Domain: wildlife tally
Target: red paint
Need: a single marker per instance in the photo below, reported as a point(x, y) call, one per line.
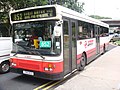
point(85, 44)
point(57, 67)
point(78, 61)
point(80, 42)
point(90, 41)
point(37, 65)
point(78, 58)
point(91, 52)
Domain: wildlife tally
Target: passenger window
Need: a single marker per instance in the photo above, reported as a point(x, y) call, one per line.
point(104, 32)
point(86, 30)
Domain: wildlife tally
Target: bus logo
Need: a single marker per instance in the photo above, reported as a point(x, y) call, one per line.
point(85, 44)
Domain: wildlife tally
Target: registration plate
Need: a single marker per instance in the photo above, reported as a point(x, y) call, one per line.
point(28, 73)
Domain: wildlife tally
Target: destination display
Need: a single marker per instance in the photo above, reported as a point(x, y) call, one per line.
point(34, 14)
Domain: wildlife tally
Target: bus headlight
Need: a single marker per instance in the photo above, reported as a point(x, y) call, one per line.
point(13, 64)
point(50, 67)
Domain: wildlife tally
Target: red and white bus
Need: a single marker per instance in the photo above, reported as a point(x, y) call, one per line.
point(52, 41)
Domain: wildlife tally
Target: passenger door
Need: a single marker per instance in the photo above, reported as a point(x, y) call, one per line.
point(73, 44)
point(97, 36)
point(69, 45)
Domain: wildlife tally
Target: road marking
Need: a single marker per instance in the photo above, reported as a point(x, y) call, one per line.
point(64, 79)
point(43, 85)
point(50, 84)
point(48, 87)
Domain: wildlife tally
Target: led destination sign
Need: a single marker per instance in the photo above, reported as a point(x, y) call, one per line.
point(34, 14)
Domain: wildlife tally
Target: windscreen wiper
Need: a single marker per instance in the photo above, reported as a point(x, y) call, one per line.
point(28, 50)
point(23, 48)
point(15, 54)
point(36, 52)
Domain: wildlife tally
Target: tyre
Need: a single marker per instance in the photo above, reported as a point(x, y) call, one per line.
point(82, 62)
point(104, 49)
point(4, 67)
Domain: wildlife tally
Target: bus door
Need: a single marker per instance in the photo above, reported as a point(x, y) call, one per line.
point(69, 45)
point(97, 35)
point(73, 44)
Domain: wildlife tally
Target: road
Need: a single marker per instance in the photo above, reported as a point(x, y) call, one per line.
point(12, 81)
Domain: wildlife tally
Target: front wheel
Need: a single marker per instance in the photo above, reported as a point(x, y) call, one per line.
point(82, 62)
point(4, 67)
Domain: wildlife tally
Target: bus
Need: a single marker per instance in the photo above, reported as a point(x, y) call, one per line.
point(5, 48)
point(52, 41)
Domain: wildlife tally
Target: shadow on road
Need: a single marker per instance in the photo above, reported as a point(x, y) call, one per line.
point(30, 80)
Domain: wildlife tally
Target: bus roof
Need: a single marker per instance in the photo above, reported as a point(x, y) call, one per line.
point(63, 11)
point(76, 15)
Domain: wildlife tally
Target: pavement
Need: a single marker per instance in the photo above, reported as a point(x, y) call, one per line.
point(101, 74)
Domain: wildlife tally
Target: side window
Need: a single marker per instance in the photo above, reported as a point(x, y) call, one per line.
point(104, 32)
point(80, 30)
point(65, 31)
point(0, 34)
point(86, 30)
point(101, 32)
point(90, 30)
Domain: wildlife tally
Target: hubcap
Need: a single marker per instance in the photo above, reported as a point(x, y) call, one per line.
point(83, 61)
point(5, 67)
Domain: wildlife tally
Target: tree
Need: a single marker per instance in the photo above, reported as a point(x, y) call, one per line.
point(72, 4)
point(19, 4)
point(99, 17)
point(7, 5)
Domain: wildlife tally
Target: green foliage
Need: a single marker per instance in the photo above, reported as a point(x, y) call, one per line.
point(19, 4)
point(3, 17)
point(72, 4)
point(118, 42)
point(7, 5)
point(99, 17)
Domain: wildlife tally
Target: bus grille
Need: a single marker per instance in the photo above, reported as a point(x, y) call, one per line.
point(29, 66)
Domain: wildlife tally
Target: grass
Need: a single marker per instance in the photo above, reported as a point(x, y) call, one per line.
point(117, 42)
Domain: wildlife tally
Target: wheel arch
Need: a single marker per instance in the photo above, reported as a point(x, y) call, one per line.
point(5, 61)
point(6, 65)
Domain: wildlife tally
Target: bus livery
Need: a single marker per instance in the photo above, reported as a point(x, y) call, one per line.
point(52, 41)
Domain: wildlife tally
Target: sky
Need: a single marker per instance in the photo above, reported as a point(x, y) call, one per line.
point(105, 8)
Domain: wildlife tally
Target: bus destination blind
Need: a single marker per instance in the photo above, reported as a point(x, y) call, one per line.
point(34, 14)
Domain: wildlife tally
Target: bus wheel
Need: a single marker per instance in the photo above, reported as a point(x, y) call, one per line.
point(4, 67)
point(104, 49)
point(82, 62)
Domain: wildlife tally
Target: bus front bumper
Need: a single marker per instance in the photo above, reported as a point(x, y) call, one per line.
point(37, 74)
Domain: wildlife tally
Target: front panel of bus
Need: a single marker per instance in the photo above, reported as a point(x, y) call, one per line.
point(37, 49)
